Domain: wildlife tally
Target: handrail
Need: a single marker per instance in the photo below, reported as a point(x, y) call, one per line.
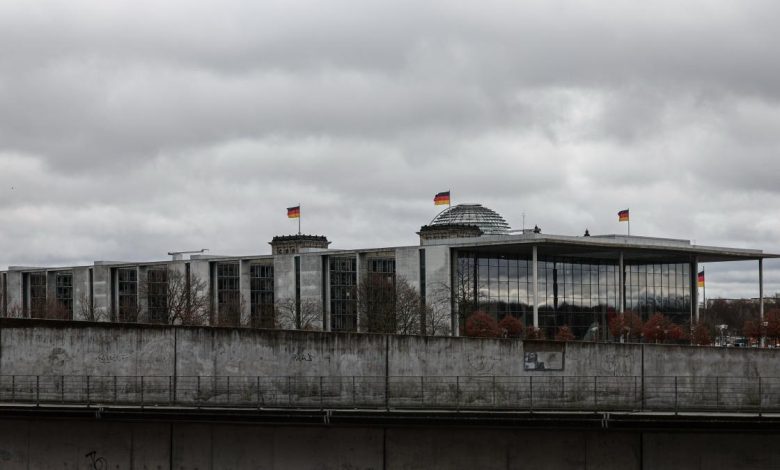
point(531, 392)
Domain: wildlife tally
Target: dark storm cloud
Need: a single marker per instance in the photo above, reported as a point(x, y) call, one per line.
point(128, 129)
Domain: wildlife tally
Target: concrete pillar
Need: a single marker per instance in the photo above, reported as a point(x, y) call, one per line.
point(761, 289)
point(535, 257)
point(621, 285)
point(695, 297)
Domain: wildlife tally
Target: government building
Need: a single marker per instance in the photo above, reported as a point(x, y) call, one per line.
point(468, 259)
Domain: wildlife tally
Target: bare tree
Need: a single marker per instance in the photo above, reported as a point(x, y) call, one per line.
point(88, 311)
point(307, 317)
point(230, 311)
point(56, 310)
point(393, 306)
point(377, 303)
point(410, 309)
point(438, 317)
point(172, 298)
point(15, 311)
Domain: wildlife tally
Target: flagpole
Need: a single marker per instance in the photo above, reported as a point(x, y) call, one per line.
point(629, 221)
point(449, 200)
point(299, 218)
point(704, 288)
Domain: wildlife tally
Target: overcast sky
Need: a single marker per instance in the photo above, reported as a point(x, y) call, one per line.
point(132, 128)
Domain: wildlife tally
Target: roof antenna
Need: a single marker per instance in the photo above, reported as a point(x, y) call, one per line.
point(178, 255)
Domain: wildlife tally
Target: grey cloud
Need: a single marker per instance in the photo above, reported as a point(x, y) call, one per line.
point(131, 128)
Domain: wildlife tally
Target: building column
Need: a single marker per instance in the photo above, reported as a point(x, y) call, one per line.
point(761, 289)
point(621, 285)
point(696, 288)
point(535, 257)
point(325, 293)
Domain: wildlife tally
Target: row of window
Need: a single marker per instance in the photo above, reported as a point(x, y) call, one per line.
point(569, 292)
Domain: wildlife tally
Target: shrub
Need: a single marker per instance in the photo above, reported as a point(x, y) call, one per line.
point(564, 334)
point(675, 332)
point(481, 325)
point(627, 324)
point(656, 328)
point(511, 326)
point(752, 329)
point(772, 320)
point(534, 333)
point(701, 334)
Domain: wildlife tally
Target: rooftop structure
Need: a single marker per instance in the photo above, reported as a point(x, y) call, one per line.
point(489, 221)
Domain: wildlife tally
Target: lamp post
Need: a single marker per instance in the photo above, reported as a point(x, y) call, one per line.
point(723, 329)
point(764, 325)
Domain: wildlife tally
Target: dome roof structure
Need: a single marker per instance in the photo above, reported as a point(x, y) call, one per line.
point(489, 221)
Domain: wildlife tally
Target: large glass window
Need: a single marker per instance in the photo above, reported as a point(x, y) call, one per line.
point(157, 295)
point(580, 294)
point(661, 288)
point(37, 295)
point(127, 294)
point(262, 295)
point(64, 293)
point(379, 292)
point(228, 294)
point(343, 293)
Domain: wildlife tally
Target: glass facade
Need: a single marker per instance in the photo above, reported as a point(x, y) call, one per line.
point(127, 294)
point(157, 295)
point(379, 292)
point(228, 294)
point(37, 295)
point(262, 295)
point(64, 292)
point(581, 294)
point(343, 293)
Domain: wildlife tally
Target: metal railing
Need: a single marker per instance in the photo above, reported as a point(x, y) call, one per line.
point(572, 393)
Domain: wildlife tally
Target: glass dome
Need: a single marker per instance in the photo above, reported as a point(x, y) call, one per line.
point(489, 221)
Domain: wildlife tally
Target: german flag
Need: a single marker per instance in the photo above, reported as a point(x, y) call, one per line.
point(441, 198)
point(294, 212)
point(623, 216)
point(700, 279)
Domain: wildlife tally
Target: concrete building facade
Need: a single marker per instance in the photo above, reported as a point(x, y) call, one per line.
point(468, 259)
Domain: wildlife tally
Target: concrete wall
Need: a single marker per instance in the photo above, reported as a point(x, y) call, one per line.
point(86, 350)
point(407, 265)
point(102, 289)
point(58, 444)
point(284, 277)
point(177, 358)
point(311, 282)
point(44, 346)
point(14, 289)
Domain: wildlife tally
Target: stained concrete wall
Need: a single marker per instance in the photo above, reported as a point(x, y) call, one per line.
point(85, 350)
point(407, 265)
point(14, 290)
point(50, 444)
point(223, 351)
point(43, 347)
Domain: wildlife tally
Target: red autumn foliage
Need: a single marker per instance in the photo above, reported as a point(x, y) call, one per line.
point(628, 324)
point(481, 325)
point(564, 334)
point(675, 332)
point(656, 328)
point(702, 335)
point(534, 333)
point(752, 329)
point(772, 328)
point(511, 326)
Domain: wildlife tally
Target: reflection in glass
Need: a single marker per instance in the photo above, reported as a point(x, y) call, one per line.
point(582, 294)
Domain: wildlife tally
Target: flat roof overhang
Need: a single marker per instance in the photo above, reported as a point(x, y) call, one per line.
point(636, 250)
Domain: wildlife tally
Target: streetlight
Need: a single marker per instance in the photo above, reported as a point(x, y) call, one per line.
point(723, 329)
